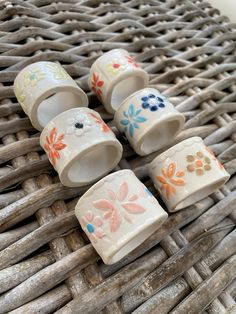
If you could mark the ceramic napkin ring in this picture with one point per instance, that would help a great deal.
(187, 173)
(80, 146)
(45, 89)
(148, 120)
(118, 213)
(114, 76)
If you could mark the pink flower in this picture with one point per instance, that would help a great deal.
(112, 208)
(132, 61)
(93, 226)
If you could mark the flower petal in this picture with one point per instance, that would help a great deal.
(89, 216)
(131, 110)
(131, 130)
(133, 208)
(98, 221)
(52, 135)
(138, 112)
(127, 217)
(100, 83)
(171, 169)
(46, 146)
(59, 146)
(115, 221)
(103, 204)
(140, 119)
(123, 191)
(179, 174)
(161, 179)
(179, 182)
(99, 233)
(133, 197)
(112, 194)
(124, 122)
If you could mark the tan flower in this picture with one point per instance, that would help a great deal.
(58, 72)
(198, 163)
(33, 76)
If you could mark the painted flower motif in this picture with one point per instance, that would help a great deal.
(58, 72)
(152, 102)
(104, 127)
(198, 163)
(115, 66)
(96, 85)
(132, 61)
(53, 145)
(92, 224)
(20, 95)
(132, 120)
(119, 205)
(33, 76)
(219, 164)
(78, 125)
(170, 179)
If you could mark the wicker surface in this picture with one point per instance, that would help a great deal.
(46, 263)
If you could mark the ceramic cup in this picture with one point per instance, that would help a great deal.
(45, 89)
(80, 146)
(114, 76)
(148, 120)
(186, 173)
(118, 213)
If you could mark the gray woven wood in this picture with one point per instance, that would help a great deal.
(46, 263)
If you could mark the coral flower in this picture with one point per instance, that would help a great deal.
(53, 145)
(170, 179)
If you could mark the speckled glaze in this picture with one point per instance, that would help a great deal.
(148, 120)
(45, 89)
(80, 146)
(186, 173)
(111, 69)
(118, 213)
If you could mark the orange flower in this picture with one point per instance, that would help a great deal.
(168, 180)
(96, 85)
(53, 145)
(219, 164)
(105, 128)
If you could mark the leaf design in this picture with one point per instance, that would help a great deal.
(52, 135)
(103, 204)
(140, 119)
(133, 208)
(123, 191)
(131, 130)
(59, 146)
(124, 122)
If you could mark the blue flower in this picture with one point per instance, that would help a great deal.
(132, 120)
(152, 102)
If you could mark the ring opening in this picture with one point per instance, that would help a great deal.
(200, 194)
(124, 89)
(137, 240)
(93, 164)
(160, 136)
(56, 104)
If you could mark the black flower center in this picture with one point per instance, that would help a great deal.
(79, 125)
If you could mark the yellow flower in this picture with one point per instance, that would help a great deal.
(115, 67)
(58, 72)
(19, 92)
(33, 76)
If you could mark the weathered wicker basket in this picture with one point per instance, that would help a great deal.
(46, 262)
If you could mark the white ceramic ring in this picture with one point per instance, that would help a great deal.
(114, 76)
(45, 89)
(118, 213)
(80, 146)
(148, 120)
(186, 173)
